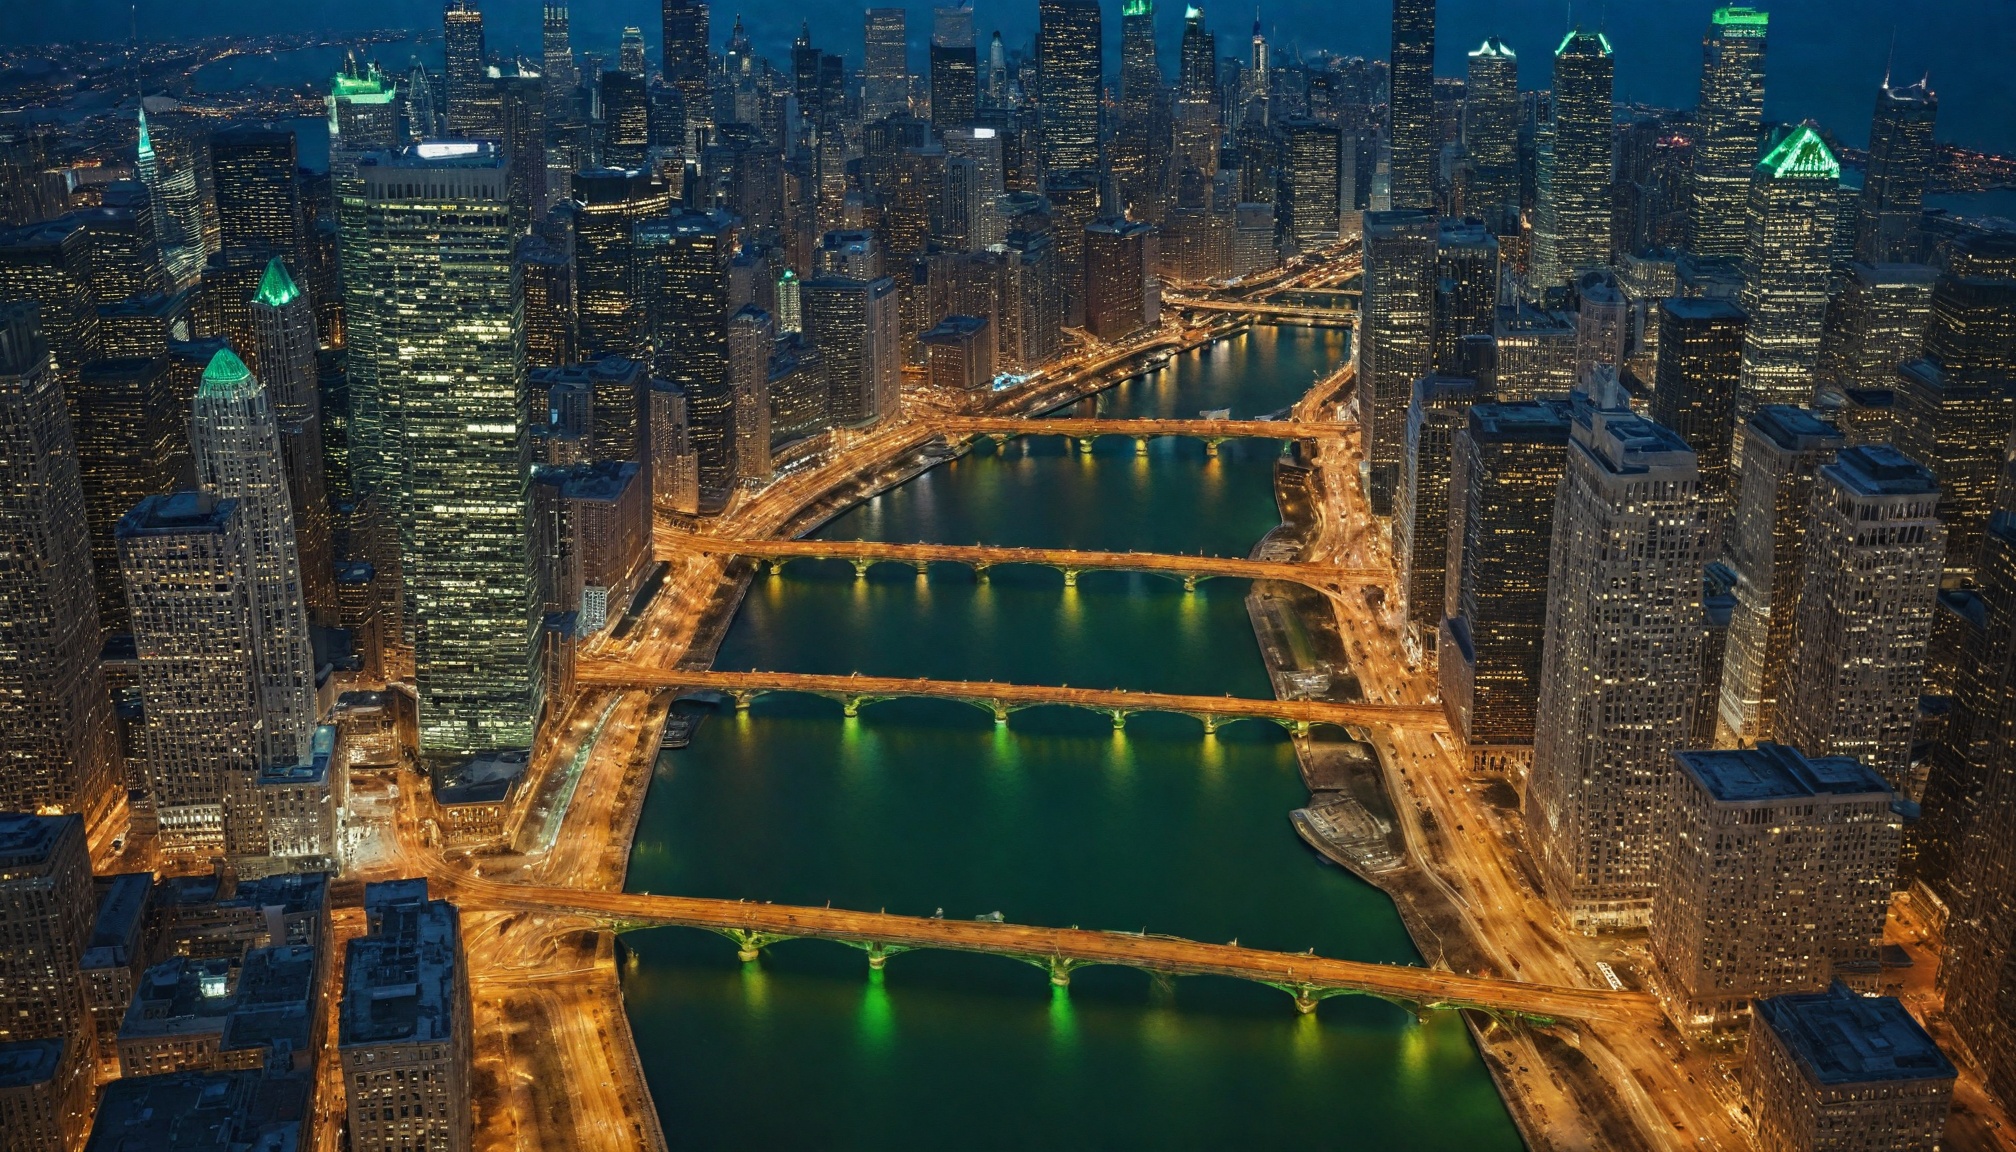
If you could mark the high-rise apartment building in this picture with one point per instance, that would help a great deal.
(1505, 470)
(235, 439)
(1887, 217)
(58, 742)
(1440, 405)
(283, 321)
(1765, 541)
(1622, 659)
(403, 1024)
(1491, 136)
(1397, 338)
(1068, 44)
(1874, 551)
(1774, 877)
(462, 34)
(1576, 149)
(1787, 260)
(1729, 125)
(184, 558)
(1411, 124)
(1694, 393)
(752, 336)
(885, 67)
(445, 432)
(1116, 277)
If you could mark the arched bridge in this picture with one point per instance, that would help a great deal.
(1266, 309)
(980, 558)
(1212, 432)
(1001, 699)
(1059, 951)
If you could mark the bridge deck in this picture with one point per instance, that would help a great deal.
(608, 673)
(1315, 575)
(1301, 974)
(1200, 429)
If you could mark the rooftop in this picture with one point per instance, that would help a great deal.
(1881, 470)
(1544, 421)
(1801, 156)
(1493, 46)
(276, 287)
(1627, 443)
(28, 839)
(1794, 429)
(26, 1062)
(483, 779)
(1702, 308)
(225, 373)
(122, 914)
(1740, 21)
(399, 983)
(238, 1111)
(1777, 772)
(1840, 1037)
(177, 514)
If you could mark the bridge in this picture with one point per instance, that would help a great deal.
(1212, 432)
(1189, 569)
(999, 699)
(1269, 309)
(1059, 951)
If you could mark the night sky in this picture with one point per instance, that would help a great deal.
(1826, 56)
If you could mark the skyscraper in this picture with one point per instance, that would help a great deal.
(1864, 611)
(184, 560)
(853, 324)
(1410, 123)
(448, 353)
(1571, 230)
(1142, 138)
(236, 442)
(1694, 390)
(258, 195)
(403, 1027)
(885, 68)
(1491, 136)
(1621, 669)
(58, 745)
(684, 273)
(1731, 120)
(955, 68)
(462, 33)
(1957, 424)
(1786, 262)
(1199, 117)
(1069, 49)
(1783, 449)
(1306, 199)
(1466, 293)
(45, 910)
(559, 72)
(687, 61)
(1116, 274)
(626, 120)
(610, 312)
(752, 334)
(1775, 878)
(1875, 323)
(132, 441)
(1397, 333)
(1900, 161)
(1440, 405)
(1506, 467)
(284, 320)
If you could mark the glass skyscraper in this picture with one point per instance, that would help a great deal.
(1572, 231)
(1068, 44)
(1731, 121)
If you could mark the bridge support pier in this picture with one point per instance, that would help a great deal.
(851, 706)
(980, 573)
(1119, 720)
(879, 953)
(1301, 727)
(1190, 583)
(923, 567)
(1060, 971)
(1084, 443)
(1140, 445)
(1070, 577)
(742, 700)
(749, 945)
(1211, 725)
(1000, 712)
(860, 569)
(1211, 446)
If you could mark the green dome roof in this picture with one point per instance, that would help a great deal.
(225, 372)
(276, 288)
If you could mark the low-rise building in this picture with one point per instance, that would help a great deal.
(1838, 1070)
(404, 1024)
(204, 917)
(474, 799)
(115, 957)
(222, 1111)
(218, 1013)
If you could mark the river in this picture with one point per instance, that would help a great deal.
(1053, 819)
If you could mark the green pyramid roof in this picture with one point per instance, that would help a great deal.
(1802, 155)
(225, 371)
(276, 288)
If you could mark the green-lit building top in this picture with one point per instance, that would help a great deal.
(369, 87)
(1495, 47)
(225, 372)
(1576, 34)
(1137, 8)
(1801, 156)
(276, 287)
(1735, 20)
